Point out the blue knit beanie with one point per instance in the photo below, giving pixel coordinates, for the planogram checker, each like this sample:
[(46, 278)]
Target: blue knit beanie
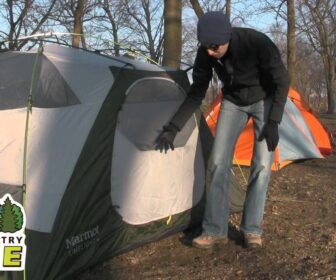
[(214, 28)]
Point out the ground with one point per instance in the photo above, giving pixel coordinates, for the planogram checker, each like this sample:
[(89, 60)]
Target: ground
[(299, 236)]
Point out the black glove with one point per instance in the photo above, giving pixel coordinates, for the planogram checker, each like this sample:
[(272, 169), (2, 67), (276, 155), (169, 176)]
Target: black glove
[(166, 138), (271, 134)]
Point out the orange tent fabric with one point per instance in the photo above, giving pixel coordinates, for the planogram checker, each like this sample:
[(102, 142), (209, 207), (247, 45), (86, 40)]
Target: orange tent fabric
[(244, 147)]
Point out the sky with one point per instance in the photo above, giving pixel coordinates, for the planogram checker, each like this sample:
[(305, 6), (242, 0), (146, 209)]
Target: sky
[(261, 21)]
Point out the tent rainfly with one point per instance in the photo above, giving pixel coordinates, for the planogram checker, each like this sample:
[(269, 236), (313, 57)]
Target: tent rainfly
[(95, 186)]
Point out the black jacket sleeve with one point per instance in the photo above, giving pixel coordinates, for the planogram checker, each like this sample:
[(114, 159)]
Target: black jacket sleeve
[(272, 67), (202, 74)]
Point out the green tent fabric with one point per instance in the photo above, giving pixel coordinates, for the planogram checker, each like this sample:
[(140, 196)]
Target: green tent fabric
[(96, 187)]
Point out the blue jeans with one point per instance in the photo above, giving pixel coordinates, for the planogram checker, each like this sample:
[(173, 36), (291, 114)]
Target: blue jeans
[(231, 121)]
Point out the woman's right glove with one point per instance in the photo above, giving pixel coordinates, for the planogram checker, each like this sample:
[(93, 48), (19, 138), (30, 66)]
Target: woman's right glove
[(166, 138)]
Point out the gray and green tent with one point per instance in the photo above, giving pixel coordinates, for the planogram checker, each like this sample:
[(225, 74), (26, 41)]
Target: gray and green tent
[(95, 186)]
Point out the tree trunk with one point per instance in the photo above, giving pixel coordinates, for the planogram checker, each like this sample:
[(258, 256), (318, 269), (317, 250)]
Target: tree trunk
[(228, 8), (172, 45), (78, 23), (107, 10), (319, 16), (291, 43), (197, 8), (331, 87)]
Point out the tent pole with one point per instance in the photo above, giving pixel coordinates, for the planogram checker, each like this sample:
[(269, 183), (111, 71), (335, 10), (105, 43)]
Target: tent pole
[(25, 150), (29, 111)]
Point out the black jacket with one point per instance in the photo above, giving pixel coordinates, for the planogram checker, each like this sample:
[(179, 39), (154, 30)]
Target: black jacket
[(251, 70)]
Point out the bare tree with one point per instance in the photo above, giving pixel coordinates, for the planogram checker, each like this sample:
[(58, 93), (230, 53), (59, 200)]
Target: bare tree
[(277, 32), (310, 74), (318, 22), (202, 6), (291, 43), (189, 38), (75, 16), (24, 17), (285, 10), (78, 23), (145, 26), (228, 8), (172, 46), (112, 10), (197, 8)]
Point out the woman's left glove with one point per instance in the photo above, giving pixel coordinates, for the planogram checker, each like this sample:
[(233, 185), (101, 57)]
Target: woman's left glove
[(165, 140), (271, 134)]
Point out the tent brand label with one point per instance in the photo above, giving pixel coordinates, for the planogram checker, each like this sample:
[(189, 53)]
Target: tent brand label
[(12, 237), (77, 243)]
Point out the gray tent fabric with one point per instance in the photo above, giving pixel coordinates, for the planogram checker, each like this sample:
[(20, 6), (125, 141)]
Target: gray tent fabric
[(95, 185), (296, 140), (150, 102), (51, 91), (14, 191)]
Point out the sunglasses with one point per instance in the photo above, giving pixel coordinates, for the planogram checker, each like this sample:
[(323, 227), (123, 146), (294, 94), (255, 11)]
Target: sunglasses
[(212, 47)]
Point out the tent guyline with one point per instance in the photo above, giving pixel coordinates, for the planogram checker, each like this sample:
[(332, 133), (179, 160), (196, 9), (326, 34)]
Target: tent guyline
[(42, 36), (51, 34)]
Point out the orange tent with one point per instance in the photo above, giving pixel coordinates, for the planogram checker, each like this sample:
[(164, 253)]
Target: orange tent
[(301, 134), (321, 135)]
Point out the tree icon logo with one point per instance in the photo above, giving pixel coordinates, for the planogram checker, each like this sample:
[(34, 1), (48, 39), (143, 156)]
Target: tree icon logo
[(12, 235), (11, 215)]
